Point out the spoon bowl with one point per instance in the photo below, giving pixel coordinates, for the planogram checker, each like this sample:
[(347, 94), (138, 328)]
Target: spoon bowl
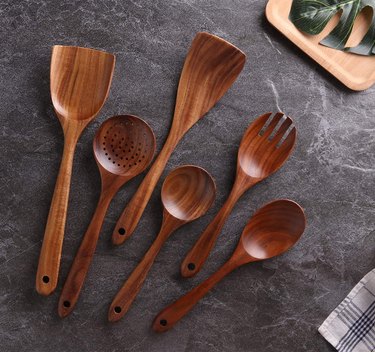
[(273, 229), (188, 192)]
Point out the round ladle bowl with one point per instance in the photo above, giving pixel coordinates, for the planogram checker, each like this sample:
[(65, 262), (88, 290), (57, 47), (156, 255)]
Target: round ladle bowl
[(273, 229), (188, 192)]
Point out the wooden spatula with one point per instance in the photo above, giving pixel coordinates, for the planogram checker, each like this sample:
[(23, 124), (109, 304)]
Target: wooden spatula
[(80, 82), (211, 67)]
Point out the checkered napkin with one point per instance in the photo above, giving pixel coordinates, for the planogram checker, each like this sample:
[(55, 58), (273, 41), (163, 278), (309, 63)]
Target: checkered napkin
[(351, 326)]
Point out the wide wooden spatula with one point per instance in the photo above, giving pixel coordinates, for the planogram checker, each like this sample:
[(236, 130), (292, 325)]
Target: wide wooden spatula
[(80, 82), (211, 67)]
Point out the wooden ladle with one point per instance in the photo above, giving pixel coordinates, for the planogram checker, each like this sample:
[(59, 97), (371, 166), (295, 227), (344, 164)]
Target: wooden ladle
[(271, 231), (264, 148), (210, 68), (123, 147), (187, 193), (80, 82)]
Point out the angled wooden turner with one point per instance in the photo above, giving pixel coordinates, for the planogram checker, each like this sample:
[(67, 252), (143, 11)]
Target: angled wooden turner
[(80, 82), (211, 67)]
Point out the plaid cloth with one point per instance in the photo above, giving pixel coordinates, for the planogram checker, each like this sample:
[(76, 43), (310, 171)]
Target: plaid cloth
[(351, 326)]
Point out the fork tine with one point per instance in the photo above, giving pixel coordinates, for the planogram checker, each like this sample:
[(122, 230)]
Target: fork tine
[(289, 141), (259, 122), (273, 124), (281, 131)]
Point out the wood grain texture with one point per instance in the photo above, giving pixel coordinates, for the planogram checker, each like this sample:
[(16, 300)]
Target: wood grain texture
[(271, 231), (187, 193), (80, 82), (264, 148), (123, 147), (211, 67), (355, 71)]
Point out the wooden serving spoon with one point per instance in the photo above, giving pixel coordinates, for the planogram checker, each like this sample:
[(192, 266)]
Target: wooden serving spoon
[(123, 147), (80, 82), (187, 193), (262, 152), (211, 66), (271, 231)]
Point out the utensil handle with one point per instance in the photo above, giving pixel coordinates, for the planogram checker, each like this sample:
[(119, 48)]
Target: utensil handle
[(50, 255), (128, 292), (81, 264), (131, 215), (170, 315), (197, 256)]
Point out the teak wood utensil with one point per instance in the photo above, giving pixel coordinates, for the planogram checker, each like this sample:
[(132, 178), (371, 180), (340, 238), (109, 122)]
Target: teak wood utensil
[(355, 71), (211, 67), (123, 147), (187, 193), (80, 82), (263, 150), (271, 231)]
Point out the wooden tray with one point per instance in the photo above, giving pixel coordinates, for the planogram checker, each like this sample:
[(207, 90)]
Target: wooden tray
[(355, 71)]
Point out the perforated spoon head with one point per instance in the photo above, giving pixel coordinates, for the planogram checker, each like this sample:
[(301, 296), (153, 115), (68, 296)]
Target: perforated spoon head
[(272, 230), (188, 192), (266, 145), (80, 81), (124, 145)]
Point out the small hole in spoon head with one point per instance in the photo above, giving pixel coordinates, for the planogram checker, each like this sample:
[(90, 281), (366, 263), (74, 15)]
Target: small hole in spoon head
[(66, 304), (163, 322), (117, 309), (191, 266), (121, 231), (45, 279)]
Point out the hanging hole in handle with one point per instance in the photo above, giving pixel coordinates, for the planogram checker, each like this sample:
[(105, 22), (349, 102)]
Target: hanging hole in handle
[(66, 304), (45, 279), (191, 266), (117, 309), (121, 231), (163, 322)]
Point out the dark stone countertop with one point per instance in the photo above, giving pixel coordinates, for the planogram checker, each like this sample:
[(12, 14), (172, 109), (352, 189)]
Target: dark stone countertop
[(274, 306)]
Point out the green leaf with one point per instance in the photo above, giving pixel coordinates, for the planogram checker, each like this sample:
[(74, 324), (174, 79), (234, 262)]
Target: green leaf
[(311, 16)]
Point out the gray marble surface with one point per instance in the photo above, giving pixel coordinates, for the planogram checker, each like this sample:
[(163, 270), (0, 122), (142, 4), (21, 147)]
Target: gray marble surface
[(266, 307)]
